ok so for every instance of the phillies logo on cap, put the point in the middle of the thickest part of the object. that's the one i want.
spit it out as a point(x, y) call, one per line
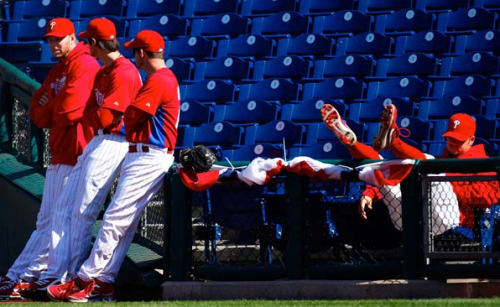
point(455, 124)
point(52, 24)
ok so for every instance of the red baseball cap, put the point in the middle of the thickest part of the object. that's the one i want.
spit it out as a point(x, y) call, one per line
point(101, 29)
point(59, 27)
point(148, 40)
point(461, 126)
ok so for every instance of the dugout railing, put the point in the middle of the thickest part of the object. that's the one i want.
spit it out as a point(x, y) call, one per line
point(321, 235)
point(293, 228)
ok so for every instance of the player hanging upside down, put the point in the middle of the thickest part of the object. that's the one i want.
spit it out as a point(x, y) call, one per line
point(457, 208)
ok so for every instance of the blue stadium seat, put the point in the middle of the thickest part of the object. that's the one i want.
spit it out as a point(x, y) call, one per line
point(418, 64)
point(40, 70)
point(167, 25)
point(27, 29)
point(440, 127)
point(252, 151)
point(343, 23)
point(370, 111)
point(223, 134)
point(467, 20)
point(408, 86)
point(436, 149)
point(195, 113)
point(377, 6)
point(319, 132)
point(322, 7)
point(290, 66)
point(486, 128)
point(486, 40)
point(365, 43)
point(419, 129)
point(121, 25)
point(405, 22)
point(267, 7)
point(306, 44)
point(448, 105)
point(309, 110)
point(255, 46)
point(275, 132)
point(474, 85)
point(492, 5)
point(347, 88)
point(355, 65)
point(36, 8)
point(433, 42)
point(482, 62)
point(209, 90)
point(81, 9)
point(182, 68)
point(197, 47)
point(142, 8)
point(492, 108)
point(322, 151)
point(246, 112)
point(441, 5)
point(20, 53)
point(221, 25)
point(270, 89)
point(230, 68)
point(209, 7)
point(281, 24)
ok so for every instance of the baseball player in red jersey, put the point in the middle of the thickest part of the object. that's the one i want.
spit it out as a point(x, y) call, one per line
point(151, 123)
point(58, 105)
point(457, 207)
point(115, 85)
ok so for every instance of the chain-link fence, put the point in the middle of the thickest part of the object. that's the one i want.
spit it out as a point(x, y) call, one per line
point(462, 213)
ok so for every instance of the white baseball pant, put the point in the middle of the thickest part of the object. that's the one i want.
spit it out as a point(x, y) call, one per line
point(141, 177)
point(33, 259)
point(82, 199)
point(444, 208)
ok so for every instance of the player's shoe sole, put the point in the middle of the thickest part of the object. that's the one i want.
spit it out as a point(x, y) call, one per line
point(334, 122)
point(388, 129)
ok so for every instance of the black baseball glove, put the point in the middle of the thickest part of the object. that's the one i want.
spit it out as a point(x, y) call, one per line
point(199, 158)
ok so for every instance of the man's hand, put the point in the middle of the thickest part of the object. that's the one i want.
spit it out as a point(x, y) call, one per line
point(44, 99)
point(365, 202)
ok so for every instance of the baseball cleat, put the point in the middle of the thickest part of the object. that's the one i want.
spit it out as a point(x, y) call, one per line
point(61, 291)
point(334, 122)
point(388, 130)
point(9, 289)
point(96, 291)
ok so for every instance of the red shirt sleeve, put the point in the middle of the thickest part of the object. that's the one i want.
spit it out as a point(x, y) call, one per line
point(372, 192)
point(41, 115)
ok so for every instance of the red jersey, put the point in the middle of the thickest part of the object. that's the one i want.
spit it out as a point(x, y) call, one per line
point(114, 88)
point(68, 86)
point(470, 194)
point(153, 116)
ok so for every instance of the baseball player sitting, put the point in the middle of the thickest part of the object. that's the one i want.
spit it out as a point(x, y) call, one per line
point(457, 208)
point(58, 105)
point(151, 130)
point(115, 85)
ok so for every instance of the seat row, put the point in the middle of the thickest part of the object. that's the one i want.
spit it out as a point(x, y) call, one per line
point(75, 9)
point(312, 139)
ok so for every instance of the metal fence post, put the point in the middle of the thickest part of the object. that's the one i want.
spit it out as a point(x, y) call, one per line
point(180, 230)
point(296, 194)
point(411, 189)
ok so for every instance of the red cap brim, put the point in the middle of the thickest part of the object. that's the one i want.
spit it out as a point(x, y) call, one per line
point(456, 136)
